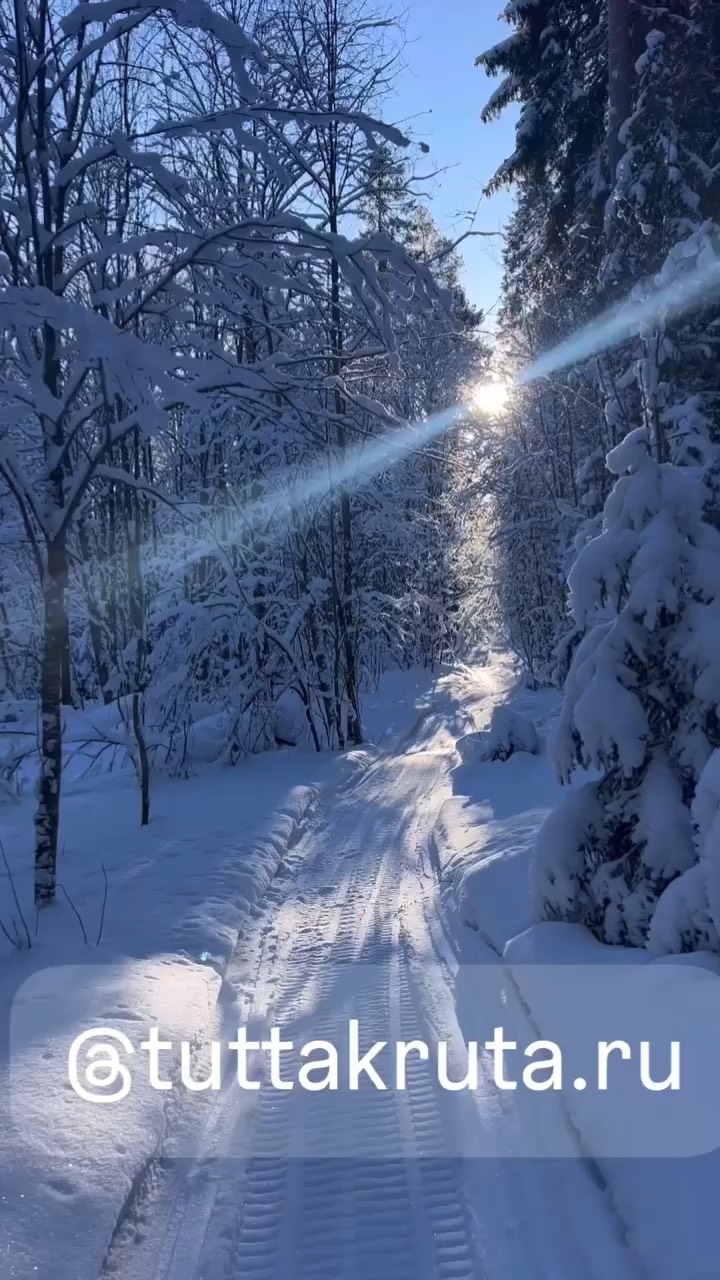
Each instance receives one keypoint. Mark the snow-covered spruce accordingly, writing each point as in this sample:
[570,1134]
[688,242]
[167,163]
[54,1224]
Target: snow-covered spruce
[640,701]
[688,914]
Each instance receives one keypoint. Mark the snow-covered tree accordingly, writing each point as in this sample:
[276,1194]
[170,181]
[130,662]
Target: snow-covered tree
[202,330]
[640,700]
[616,161]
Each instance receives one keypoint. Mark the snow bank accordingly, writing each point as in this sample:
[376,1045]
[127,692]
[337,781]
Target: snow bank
[482,845]
[485,864]
[180,893]
[484,855]
[509,732]
[669,1205]
[485,834]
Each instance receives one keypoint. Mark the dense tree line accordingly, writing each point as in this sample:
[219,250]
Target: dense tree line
[606,474]
[218,289]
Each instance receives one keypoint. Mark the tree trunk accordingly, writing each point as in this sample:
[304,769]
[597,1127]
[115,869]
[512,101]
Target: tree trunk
[68,696]
[143,762]
[136,602]
[619,79]
[47,814]
[89,552]
[355,732]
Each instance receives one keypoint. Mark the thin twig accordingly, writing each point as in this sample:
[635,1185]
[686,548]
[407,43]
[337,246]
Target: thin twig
[14,942]
[105,898]
[77,913]
[14,893]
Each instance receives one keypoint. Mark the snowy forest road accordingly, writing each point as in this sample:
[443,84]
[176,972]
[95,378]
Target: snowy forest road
[366,1185]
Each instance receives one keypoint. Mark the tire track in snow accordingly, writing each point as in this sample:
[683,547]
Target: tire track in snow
[377,1213]
[356,897]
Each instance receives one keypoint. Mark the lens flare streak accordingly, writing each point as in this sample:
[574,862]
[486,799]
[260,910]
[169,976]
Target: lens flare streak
[490,398]
[359,465]
[617,325]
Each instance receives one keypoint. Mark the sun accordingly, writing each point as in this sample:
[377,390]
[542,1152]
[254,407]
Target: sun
[490,398]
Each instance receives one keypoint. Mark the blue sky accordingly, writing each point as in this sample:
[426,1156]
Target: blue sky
[439,97]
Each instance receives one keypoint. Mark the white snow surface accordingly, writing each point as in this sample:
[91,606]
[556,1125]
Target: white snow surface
[182,894]
[484,840]
[509,732]
[247,895]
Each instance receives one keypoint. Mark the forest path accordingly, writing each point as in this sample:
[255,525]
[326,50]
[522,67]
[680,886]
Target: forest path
[366,1184]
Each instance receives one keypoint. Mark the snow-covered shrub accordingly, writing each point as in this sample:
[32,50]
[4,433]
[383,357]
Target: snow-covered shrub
[640,699]
[290,725]
[509,732]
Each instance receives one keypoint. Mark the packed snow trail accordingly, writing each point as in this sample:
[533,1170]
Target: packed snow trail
[368,1185]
